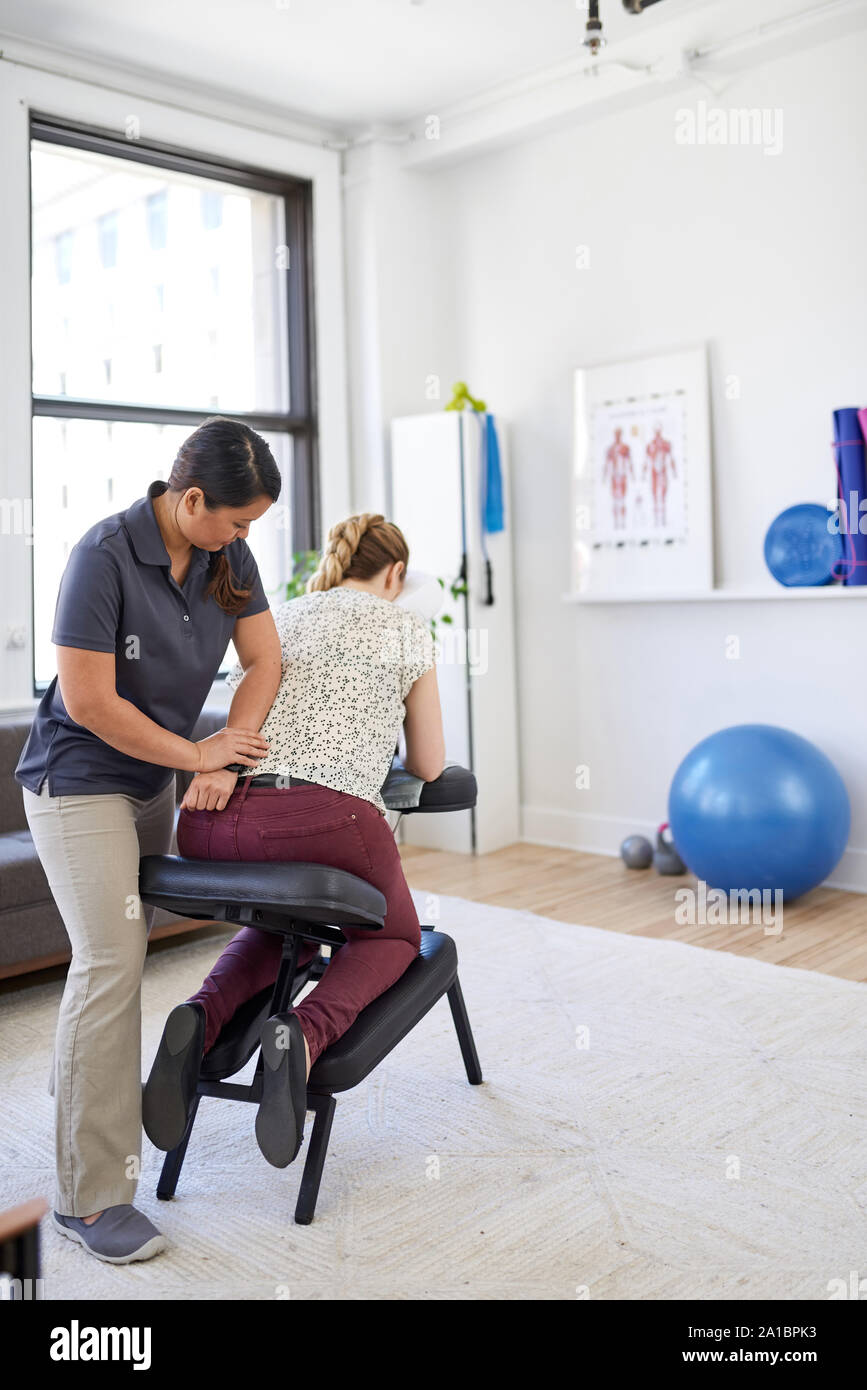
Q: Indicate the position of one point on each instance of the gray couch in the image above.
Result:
(32, 934)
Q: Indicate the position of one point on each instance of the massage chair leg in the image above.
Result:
(324, 1107)
(174, 1159)
(465, 1034)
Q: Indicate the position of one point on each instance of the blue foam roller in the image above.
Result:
(852, 491)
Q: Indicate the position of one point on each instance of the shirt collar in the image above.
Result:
(144, 531)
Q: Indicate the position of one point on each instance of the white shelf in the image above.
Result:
(832, 593)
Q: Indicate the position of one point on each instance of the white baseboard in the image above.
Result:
(594, 834)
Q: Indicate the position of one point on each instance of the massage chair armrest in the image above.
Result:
(454, 790)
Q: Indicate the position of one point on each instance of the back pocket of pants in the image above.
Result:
(194, 834)
(338, 839)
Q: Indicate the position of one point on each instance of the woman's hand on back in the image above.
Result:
(209, 791)
(230, 745)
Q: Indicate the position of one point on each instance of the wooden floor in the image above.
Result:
(825, 931)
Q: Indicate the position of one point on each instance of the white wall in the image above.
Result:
(403, 309)
(761, 256)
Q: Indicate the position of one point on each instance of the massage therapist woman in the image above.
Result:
(148, 602)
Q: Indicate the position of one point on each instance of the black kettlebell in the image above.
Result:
(666, 859)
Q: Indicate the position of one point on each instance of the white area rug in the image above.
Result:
(600, 1171)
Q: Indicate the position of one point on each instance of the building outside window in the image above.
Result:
(157, 220)
(108, 240)
(63, 257)
(212, 210)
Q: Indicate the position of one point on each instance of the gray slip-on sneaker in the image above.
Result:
(119, 1236)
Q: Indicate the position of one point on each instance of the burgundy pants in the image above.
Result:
(319, 826)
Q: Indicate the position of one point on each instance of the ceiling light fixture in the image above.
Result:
(594, 39)
(593, 36)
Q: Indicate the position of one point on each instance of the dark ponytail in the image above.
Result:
(232, 465)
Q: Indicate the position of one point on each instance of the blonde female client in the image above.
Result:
(355, 667)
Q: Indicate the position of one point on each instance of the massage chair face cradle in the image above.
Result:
(313, 901)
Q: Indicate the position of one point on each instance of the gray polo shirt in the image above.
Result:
(117, 595)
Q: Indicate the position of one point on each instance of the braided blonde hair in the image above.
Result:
(359, 548)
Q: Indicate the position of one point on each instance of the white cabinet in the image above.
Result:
(435, 500)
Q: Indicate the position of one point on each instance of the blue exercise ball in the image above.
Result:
(756, 806)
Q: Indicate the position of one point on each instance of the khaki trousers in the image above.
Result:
(89, 848)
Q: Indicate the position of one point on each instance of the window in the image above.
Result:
(212, 210)
(63, 257)
(111, 404)
(108, 240)
(157, 220)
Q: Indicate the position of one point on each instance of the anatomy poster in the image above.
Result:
(640, 470)
(642, 524)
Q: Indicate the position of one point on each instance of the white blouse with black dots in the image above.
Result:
(349, 661)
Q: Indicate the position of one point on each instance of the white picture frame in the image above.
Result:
(642, 516)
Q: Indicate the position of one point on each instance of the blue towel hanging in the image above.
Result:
(493, 513)
(490, 478)
(490, 492)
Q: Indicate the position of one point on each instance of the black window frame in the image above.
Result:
(301, 420)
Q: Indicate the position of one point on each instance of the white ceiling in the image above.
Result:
(354, 66)
(350, 64)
